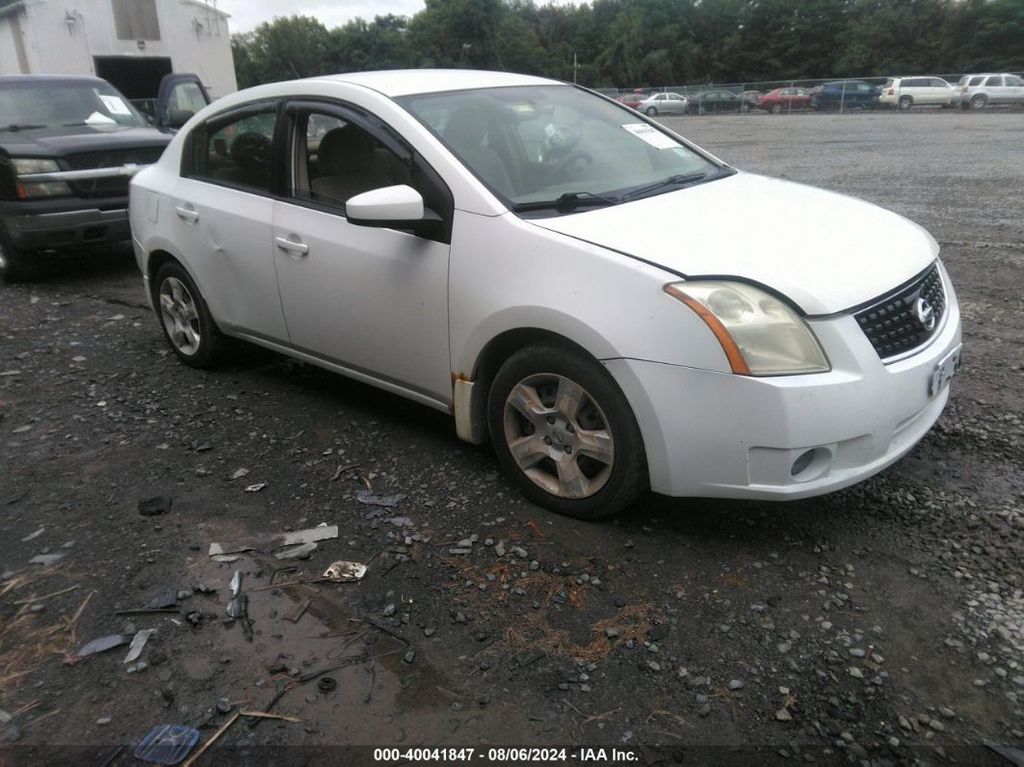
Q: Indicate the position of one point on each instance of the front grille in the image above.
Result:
(896, 323)
(109, 187)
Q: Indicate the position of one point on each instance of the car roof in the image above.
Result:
(405, 82)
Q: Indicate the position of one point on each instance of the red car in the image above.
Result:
(785, 99)
(631, 100)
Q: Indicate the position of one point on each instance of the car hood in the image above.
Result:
(825, 251)
(59, 142)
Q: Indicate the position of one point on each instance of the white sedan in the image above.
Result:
(506, 249)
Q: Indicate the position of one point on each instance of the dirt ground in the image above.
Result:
(882, 623)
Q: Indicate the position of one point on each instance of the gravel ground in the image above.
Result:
(885, 622)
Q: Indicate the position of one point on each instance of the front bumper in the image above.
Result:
(41, 225)
(711, 434)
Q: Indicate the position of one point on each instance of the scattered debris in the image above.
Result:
(213, 739)
(312, 535)
(102, 645)
(302, 551)
(265, 715)
(299, 611)
(165, 599)
(239, 473)
(46, 559)
(255, 488)
(158, 504)
(138, 643)
(238, 607)
(388, 501)
(33, 536)
(344, 572)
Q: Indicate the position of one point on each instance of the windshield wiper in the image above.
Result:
(15, 127)
(567, 202)
(677, 180)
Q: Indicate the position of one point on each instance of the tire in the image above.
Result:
(978, 102)
(16, 265)
(652, 112)
(904, 103)
(184, 317)
(581, 453)
(776, 109)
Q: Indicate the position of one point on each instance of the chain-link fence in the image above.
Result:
(805, 96)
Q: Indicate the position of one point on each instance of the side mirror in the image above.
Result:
(178, 117)
(393, 207)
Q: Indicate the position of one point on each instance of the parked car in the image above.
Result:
(631, 100)
(505, 248)
(980, 91)
(68, 146)
(751, 99)
(785, 100)
(906, 92)
(662, 104)
(715, 101)
(844, 94)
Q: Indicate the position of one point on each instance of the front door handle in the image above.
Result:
(291, 247)
(188, 213)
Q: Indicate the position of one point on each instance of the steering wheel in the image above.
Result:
(574, 163)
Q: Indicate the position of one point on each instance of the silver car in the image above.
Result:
(663, 104)
(979, 91)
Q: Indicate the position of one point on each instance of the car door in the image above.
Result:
(221, 211)
(371, 301)
(995, 90)
(1014, 89)
(675, 104)
(180, 96)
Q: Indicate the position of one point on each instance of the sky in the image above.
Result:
(248, 14)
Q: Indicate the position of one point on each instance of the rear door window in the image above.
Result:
(996, 80)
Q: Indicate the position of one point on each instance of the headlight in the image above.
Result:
(759, 334)
(27, 166)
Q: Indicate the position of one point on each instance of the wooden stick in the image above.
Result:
(266, 715)
(47, 596)
(213, 739)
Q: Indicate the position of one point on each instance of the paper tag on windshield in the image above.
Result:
(114, 104)
(655, 138)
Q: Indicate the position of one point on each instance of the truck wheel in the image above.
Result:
(16, 265)
(565, 434)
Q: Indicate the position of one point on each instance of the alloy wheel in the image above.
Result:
(180, 316)
(558, 436)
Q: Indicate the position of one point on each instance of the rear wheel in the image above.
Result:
(905, 103)
(565, 434)
(185, 318)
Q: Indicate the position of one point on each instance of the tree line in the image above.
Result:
(630, 43)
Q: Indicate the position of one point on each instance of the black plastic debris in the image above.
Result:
(166, 744)
(158, 504)
(326, 684)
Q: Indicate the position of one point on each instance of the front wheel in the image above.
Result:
(565, 434)
(978, 102)
(15, 264)
(905, 103)
(185, 319)
(652, 112)
(776, 109)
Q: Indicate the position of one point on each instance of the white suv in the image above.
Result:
(978, 91)
(905, 92)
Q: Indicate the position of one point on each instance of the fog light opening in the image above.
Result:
(802, 462)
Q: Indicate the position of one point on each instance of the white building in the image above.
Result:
(131, 43)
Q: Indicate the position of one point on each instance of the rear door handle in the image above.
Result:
(187, 212)
(291, 247)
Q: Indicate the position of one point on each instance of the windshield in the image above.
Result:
(55, 103)
(532, 144)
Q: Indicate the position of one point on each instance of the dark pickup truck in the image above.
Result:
(68, 148)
